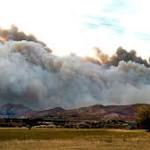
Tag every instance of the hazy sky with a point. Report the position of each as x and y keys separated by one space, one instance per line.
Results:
x=78 y=25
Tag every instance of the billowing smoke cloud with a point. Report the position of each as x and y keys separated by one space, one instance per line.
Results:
x=14 y=34
x=120 y=55
x=31 y=75
x=98 y=57
x=123 y=55
x=102 y=57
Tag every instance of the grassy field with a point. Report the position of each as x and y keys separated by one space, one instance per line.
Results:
x=73 y=139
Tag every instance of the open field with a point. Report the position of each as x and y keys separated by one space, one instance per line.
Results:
x=73 y=139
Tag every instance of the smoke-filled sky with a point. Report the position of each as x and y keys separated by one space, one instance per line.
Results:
x=78 y=25
x=35 y=77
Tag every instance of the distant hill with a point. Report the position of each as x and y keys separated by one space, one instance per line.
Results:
x=94 y=112
x=14 y=111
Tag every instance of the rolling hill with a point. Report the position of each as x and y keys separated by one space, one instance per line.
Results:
x=94 y=112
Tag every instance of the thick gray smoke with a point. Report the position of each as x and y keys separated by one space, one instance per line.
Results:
x=31 y=75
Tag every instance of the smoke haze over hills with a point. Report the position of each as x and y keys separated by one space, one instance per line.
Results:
x=33 y=76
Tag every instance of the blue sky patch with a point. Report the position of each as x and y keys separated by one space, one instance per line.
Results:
x=105 y=22
x=116 y=5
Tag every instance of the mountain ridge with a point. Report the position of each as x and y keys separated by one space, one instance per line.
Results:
x=93 y=112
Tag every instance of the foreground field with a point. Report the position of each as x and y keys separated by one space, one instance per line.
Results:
x=73 y=139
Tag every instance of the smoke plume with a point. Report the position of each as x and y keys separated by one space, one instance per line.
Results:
x=14 y=34
x=33 y=76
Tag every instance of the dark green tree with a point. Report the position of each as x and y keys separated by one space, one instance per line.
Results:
x=143 y=117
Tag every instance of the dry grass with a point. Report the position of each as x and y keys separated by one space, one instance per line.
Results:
x=77 y=140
